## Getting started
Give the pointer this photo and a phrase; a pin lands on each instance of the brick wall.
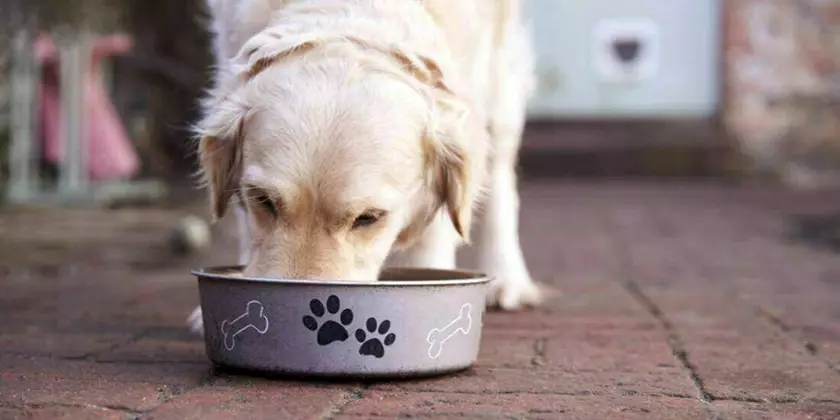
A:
(782, 72)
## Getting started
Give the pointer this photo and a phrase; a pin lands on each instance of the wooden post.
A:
(74, 168)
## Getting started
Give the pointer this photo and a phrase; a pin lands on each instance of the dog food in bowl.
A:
(413, 322)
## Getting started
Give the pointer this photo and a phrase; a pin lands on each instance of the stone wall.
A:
(782, 73)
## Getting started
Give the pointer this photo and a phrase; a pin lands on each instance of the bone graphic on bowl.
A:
(438, 336)
(252, 318)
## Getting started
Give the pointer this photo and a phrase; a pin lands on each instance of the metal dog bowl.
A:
(413, 322)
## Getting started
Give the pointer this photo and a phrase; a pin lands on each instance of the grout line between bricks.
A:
(809, 346)
(638, 394)
(91, 355)
(147, 362)
(36, 406)
(539, 352)
(780, 400)
(674, 340)
(550, 393)
(167, 393)
(632, 286)
(85, 358)
(453, 415)
(338, 407)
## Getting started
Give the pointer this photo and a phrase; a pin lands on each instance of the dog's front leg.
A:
(243, 233)
(499, 249)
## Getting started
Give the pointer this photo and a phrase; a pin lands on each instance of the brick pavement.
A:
(681, 301)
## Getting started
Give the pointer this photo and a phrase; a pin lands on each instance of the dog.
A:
(354, 134)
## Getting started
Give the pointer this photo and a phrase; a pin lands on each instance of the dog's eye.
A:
(368, 218)
(265, 202)
(268, 205)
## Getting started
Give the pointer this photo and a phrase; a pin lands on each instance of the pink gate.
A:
(111, 155)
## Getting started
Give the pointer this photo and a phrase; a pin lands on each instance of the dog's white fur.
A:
(330, 108)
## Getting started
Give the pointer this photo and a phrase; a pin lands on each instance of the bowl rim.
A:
(462, 277)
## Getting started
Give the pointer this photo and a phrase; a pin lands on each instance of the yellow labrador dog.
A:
(348, 132)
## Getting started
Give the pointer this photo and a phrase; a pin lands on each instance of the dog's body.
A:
(357, 130)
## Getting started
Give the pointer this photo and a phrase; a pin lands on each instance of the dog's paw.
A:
(514, 293)
(196, 322)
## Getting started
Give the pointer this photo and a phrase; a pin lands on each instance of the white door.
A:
(625, 58)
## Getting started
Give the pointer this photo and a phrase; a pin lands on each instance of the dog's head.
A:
(340, 150)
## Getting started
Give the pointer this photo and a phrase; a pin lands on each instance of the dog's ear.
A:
(423, 69)
(222, 130)
(268, 47)
(221, 157)
(449, 166)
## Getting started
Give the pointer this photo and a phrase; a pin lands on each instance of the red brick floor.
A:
(681, 301)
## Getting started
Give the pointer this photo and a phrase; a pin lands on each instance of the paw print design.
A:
(374, 346)
(330, 331)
